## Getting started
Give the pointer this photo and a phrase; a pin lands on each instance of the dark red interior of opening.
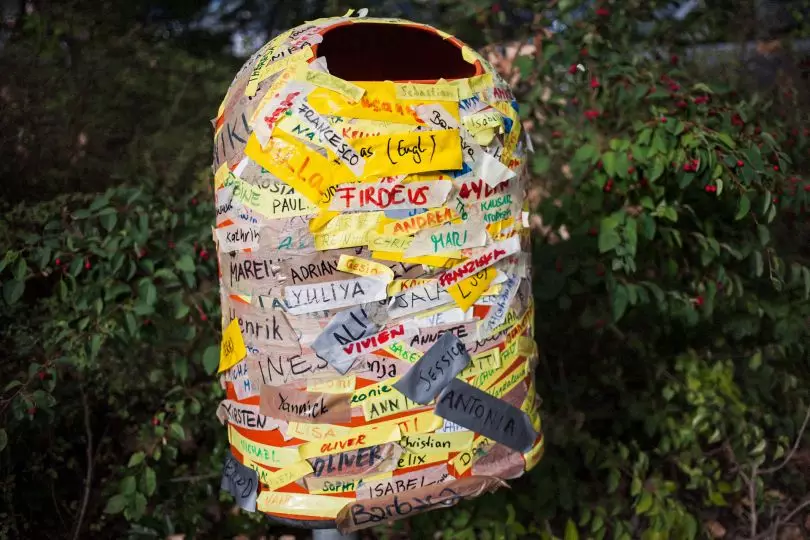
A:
(389, 52)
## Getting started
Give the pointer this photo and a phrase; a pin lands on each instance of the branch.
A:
(90, 460)
(194, 478)
(795, 446)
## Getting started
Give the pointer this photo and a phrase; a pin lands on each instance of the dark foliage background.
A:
(671, 194)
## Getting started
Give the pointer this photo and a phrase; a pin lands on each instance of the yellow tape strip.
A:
(261, 453)
(404, 352)
(364, 267)
(288, 474)
(361, 437)
(232, 349)
(413, 459)
(305, 505)
(316, 432)
(431, 443)
(264, 68)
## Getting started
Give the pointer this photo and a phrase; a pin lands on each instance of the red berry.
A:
(595, 83)
(631, 170)
(155, 421)
(592, 231)
(776, 167)
(807, 188)
(603, 12)
(708, 189)
(204, 254)
(58, 261)
(203, 317)
(556, 134)
(758, 130)
(681, 104)
(663, 119)
(699, 300)
(572, 69)
(87, 265)
(674, 59)
(194, 201)
(42, 375)
(740, 163)
(32, 410)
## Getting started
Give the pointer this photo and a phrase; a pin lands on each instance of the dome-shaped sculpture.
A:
(374, 261)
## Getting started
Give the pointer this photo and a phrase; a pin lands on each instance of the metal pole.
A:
(332, 534)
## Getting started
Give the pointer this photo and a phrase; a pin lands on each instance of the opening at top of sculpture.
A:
(372, 235)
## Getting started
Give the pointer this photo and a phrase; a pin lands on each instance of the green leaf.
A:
(115, 504)
(149, 481)
(127, 486)
(644, 503)
(20, 269)
(726, 139)
(147, 292)
(177, 431)
(541, 164)
(755, 361)
(742, 208)
(108, 221)
(609, 163)
(585, 153)
(185, 264)
(609, 237)
(3, 439)
(764, 235)
(13, 291)
(620, 301)
(211, 359)
(571, 532)
(136, 459)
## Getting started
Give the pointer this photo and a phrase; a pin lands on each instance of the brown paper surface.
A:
(295, 405)
(367, 513)
(500, 461)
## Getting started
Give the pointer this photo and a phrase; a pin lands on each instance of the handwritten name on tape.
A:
(325, 80)
(360, 462)
(360, 515)
(334, 294)
(488, 256)
(467, 291)
(410, 459)
(239, 481)
(272, 456)
(339, 484)
(413, 224)
(480, 412)
(365, 267)
(345, 327)
(438, 442)
(275, 201)
(316, 432)
(320, 127)
(292, 404)
(362, 437)
(437, 367)
(232, 349)
(340, 385)
(418, 299)
(404, 352)
(378, 340)
(391, 403)
(245, 416)
(437, 91)
(447, 239)
(385, 196)
(322, 506)
(376, 486)
(287, 475)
